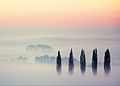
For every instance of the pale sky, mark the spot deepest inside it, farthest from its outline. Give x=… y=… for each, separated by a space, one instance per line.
x=24 y=22
x=59 y=12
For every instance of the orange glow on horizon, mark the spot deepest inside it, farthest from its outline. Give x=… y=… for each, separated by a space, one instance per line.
x=61 y=19
x=55 y=12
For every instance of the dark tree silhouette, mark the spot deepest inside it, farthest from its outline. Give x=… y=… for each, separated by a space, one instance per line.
x=107 y=67
x=59 y=58
x=58 y=66
x=94 y=61
x=107 y=57
x=71 y=58
x=71 y=62
x=82 y=61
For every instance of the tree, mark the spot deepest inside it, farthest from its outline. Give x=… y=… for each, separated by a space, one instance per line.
x=59 y=58
x=94 y=61
x=71 y=58
x=82 y=61
x=107 y=57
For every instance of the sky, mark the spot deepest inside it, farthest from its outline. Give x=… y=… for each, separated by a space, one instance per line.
x=71 y=23
x=16 y=13
x=59 y=18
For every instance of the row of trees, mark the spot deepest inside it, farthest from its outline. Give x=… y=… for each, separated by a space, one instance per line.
x=107 y=61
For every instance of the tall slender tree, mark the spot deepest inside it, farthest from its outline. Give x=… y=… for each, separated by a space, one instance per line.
x=82 y=61
x=59 y=58
x=58 y=66
x=82 y=57
x=71 y=62
x=107 y=59
x=94 y=61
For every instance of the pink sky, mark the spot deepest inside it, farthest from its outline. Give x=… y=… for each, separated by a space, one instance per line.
x=66 y=19
x=59 y=13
